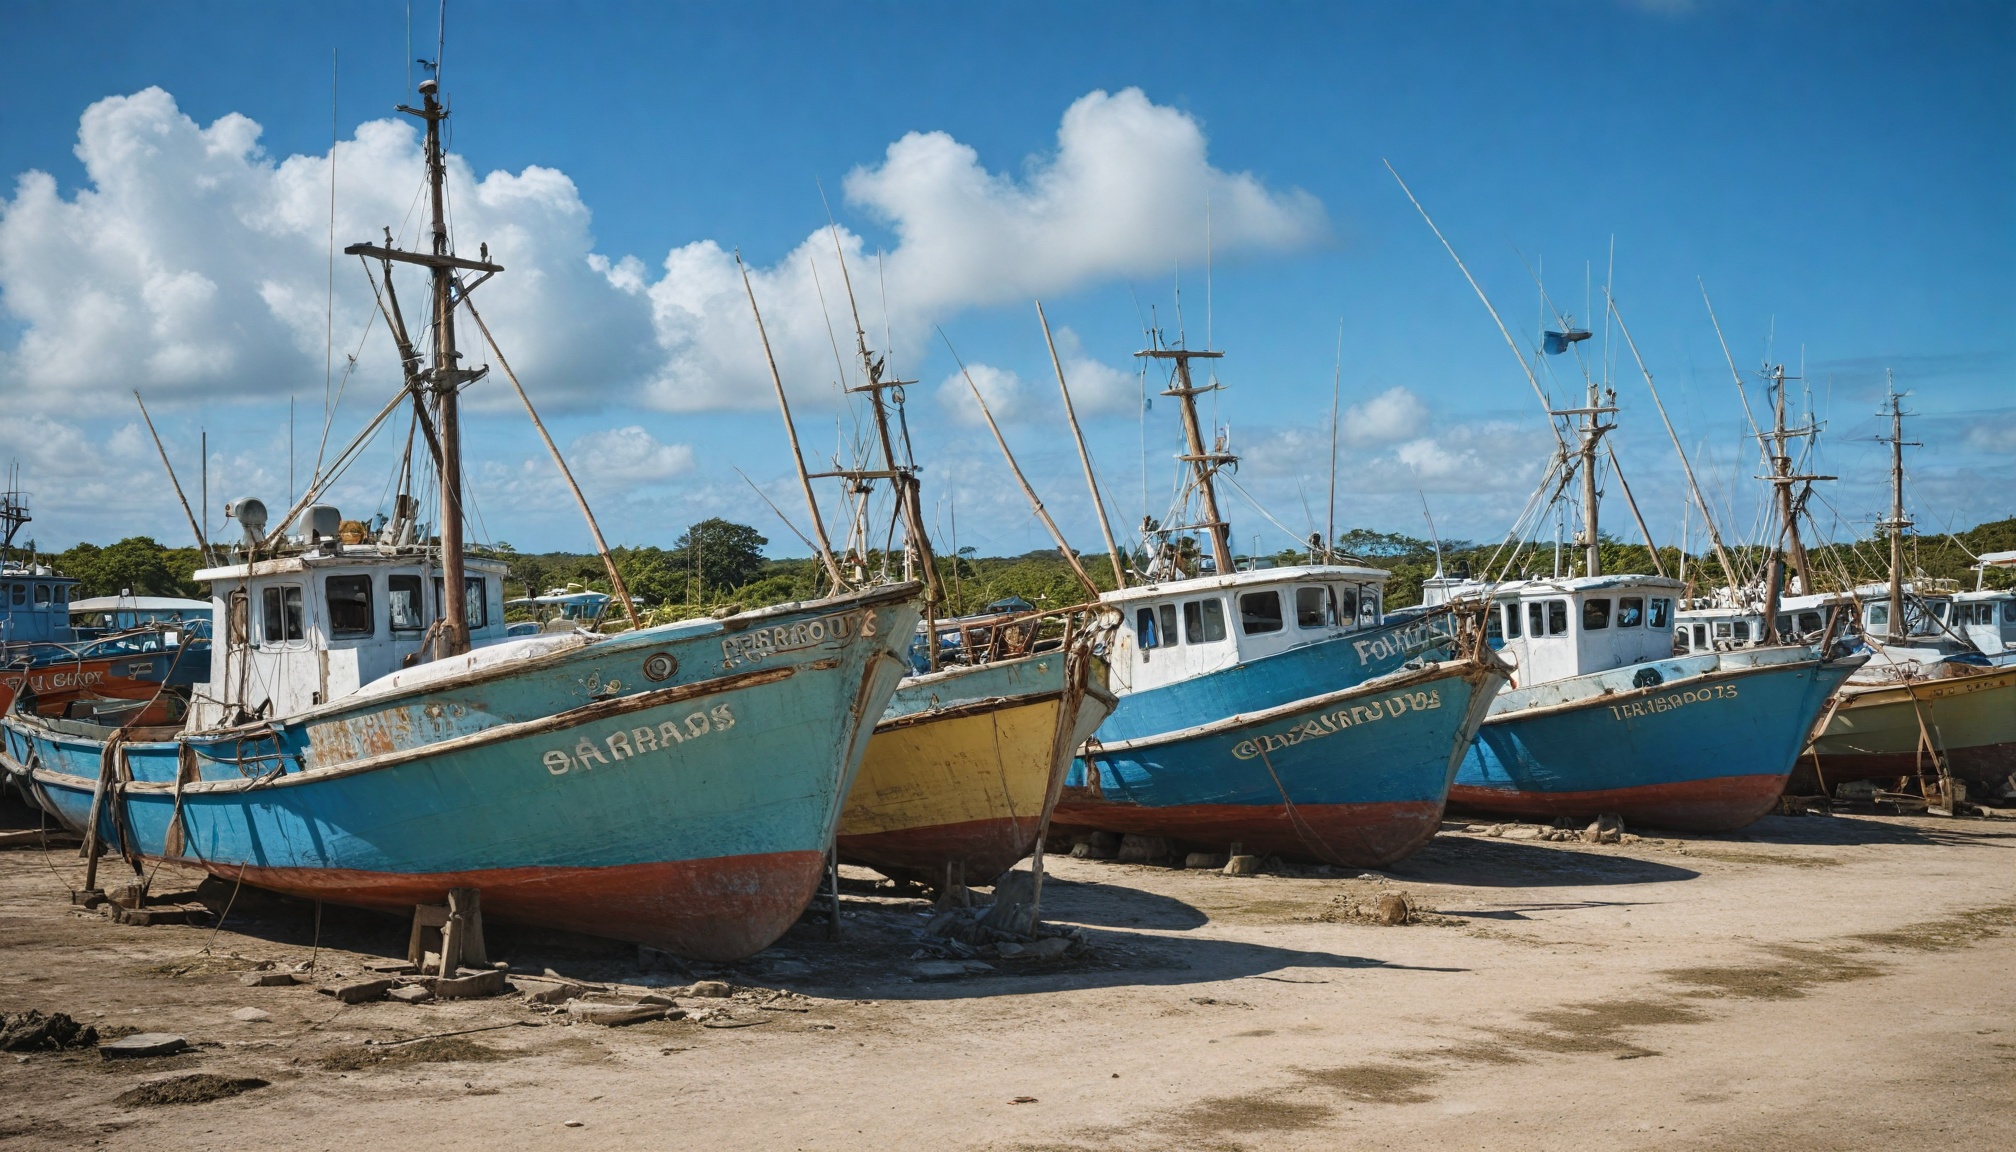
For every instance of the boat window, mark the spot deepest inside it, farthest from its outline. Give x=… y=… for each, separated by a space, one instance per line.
x=402 y=594
x=1260 y=612
x=1722 y=630
x=280 y=613
x=1630 y=611
x=1312 y=607
x=2009 y=611
x=1810 y=622
x=1512 y=621
x=1701 y=637
x=1680 y=640
x=1204 y=621
x=1493 y=630
x=1662 y=613
x=1166 y=614
x=1368 y=604
x=42 y=595
x=62 y=593
x=1536 y=619
x=1595 y=613
x=1876 y=615
x=1557 y=617
x=1938 y=606
x=1742 y=630
x=1144 y=628
x=1347 y=603
x=475 y=604
x=1785 y=625
x=349 y=599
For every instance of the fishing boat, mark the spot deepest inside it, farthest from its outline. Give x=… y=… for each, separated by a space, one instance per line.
x=1272 y=711
x=134 y=666
x=1602 y=718
x=369 y=736
x=1931 y=707
x=964 y=767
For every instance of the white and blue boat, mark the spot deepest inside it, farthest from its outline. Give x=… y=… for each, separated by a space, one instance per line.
x=369 y=736
x=1274 y=709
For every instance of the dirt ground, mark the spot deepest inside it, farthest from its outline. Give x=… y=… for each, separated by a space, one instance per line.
x=1814 y=983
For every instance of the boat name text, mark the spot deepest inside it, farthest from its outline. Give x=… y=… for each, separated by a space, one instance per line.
x=1317 y=727
x=624 y=743
x=752 y=646
x=1667 y=703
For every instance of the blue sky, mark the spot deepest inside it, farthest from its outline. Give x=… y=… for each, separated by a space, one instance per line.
x=1842 y=177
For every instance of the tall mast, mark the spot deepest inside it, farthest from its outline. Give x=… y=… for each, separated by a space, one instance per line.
x=1203 y=464
x=1788 y=551
x=1897 y=522
x=1590 y=429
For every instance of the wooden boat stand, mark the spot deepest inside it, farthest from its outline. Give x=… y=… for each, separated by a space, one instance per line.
x=455 y=931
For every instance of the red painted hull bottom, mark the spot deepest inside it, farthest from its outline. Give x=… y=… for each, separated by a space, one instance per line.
x=1354 y=835
x=719 y=909
x=1987 y=770
x=1721 y=804
x=986 y=849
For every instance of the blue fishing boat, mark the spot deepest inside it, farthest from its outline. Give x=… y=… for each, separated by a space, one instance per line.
x=1603 y=717
x=370 y=736
x=1274 y=709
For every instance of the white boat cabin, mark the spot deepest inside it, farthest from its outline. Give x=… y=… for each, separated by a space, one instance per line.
x=1801 y=619
x=298 y=631
x=1988 y=620
x=1573 y=626
x=1179 y=629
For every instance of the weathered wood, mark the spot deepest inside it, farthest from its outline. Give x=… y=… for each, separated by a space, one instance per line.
x=421 y=258
x=1084 y=456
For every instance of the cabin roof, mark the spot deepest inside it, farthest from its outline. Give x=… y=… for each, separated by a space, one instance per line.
x=1255 y=578
x=139 y=604
x=1571 y=585
x=341 y=556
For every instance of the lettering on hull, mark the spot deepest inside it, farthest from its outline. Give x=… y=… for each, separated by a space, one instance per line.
x=752 y=646
x=1330 y=723
x=590 y=752
x=1408 y=641
x=1654 y=705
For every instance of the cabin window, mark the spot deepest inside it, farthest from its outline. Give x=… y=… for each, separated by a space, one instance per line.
x=1260 y=612
x=63 y=594
x=1144 y=628
x=1662 y=613
x=1810 y=622
x=1312 y=607
x=1595 y=614
x=1742 y=628
x=349 y=599
x=20 y=596
x=1680 y=640
x=1493 y=630
x=1630 y=611
x=1785 y=625
x=1368 y=604
x=1557 y=617
x=1938 y=607
x=280 y=613
x=1347 y=603
x=1204 y=621
x=475 y=603
x=402 y=595
x=1701 y=637
x=1536 y=617
x=1153 y=630
x=1512 y=621
x=1876 y=615
x=41 y=595
x=2009 y=612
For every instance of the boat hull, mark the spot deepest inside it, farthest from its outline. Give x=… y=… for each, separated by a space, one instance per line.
x=1873 y=733
x=961 y=765
x=692 y=817
x=1356 y=777
x=1706 y=747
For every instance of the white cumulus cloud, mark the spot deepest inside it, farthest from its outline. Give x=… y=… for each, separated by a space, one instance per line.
x=1395 y=414
x=628 y=458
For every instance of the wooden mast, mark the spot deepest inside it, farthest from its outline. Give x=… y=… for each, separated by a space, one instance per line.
x=1084 y=455
x=1897 y=522
x=1204 y=464
x=445 y=378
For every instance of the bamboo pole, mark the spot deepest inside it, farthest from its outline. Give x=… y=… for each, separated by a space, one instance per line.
x=616 y=584
x=1084 y=456
x=1035 y=502
x=202 y=545
x=791 y=430
x=1714 y=534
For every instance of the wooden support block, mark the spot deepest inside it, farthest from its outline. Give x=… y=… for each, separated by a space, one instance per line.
x=467 y=905
x=470 y=984
x=426 y=935
x=358 y=992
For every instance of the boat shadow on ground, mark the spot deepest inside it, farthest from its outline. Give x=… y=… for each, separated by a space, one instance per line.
x=1490 y=862
x=1859 y=828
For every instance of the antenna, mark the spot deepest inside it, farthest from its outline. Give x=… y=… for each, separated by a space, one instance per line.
x=1432 y=535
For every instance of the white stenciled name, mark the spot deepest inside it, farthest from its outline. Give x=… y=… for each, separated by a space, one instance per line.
x=753 y=645
x=1317 y=727
x=1400 y=642
x=592 y=752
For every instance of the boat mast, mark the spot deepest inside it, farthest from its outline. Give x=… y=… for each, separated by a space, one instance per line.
x=1788 y=551
x=1590 y=429
x=1897 y=522
x=1204 y=465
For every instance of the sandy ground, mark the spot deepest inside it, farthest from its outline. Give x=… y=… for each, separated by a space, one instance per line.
x=1815 y=983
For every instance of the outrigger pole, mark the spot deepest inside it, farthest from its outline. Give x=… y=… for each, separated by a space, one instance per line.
x=202 y=545
x=1084 y=456
x=791 y=430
